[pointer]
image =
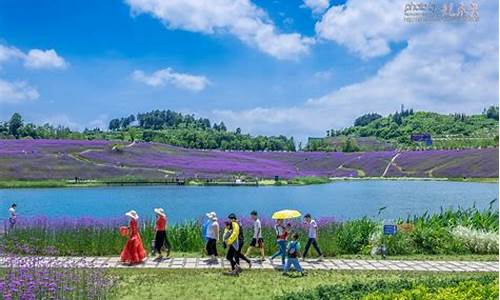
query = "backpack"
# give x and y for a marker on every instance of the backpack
(292, 251)
(241, 238)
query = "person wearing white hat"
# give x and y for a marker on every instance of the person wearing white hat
(133, 252)
(161, 238)
(212, 236)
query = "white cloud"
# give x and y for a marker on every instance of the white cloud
(8, 53)
(323, 75)
(446, 67)
(16, 92)
(365, 27)
(34, 59)
(317, 6)
(60, 119)
(101, 122)
(240, 18)
(181, 80)
(44, 59)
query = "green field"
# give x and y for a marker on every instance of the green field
(268, 284)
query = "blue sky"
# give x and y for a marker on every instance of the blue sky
(292, 67)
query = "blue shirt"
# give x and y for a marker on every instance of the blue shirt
(204, 229)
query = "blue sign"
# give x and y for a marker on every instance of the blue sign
(390, 229)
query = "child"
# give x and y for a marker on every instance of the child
(292, 253)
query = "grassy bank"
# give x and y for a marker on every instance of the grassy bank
(308, 180)
(268, 284)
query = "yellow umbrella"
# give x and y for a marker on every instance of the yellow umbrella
(286, 214)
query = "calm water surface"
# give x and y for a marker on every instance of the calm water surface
(343, 200)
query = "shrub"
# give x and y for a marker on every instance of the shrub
(352, 236)
(477, 241)
(436, 285)
(467, 290)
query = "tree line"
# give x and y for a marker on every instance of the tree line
(167, 127)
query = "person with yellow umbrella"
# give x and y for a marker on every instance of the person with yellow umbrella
(282, 231)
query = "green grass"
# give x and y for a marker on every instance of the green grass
(432, 235)
(251, 284)
(459, 257)
(58, 183)
(481, 180)
(310, 180)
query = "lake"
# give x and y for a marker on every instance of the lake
(344, 200)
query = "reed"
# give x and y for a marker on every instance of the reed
(433, 234)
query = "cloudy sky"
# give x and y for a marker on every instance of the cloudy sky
(293, 67)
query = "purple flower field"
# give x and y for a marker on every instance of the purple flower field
(67, 159)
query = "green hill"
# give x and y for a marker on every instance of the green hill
(162, 126)
(446, 131)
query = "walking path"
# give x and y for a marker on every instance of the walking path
(310, 264)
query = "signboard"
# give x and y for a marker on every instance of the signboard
(406, 227)
(422, 137)
(390, 229)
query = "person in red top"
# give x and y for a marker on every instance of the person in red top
(161, 238)
(133, 252)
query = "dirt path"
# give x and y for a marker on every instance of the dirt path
(78, 156)
(390, 164)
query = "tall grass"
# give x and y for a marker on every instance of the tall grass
(433, 234)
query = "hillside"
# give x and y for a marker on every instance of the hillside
(447, 131)
(104, 160)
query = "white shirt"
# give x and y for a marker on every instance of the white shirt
(257, 229)
(213, 230)
(12, 213)
(312, 229)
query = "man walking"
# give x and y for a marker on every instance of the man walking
(312, 234)
(257, 240)
(241, 241)
(231, 233)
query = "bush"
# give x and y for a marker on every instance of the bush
(431, 287)
(477, 241)
(352, 236)
(467, 290)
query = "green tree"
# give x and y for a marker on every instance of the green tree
(15, 124)
(350, 146)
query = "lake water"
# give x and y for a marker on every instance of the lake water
(344, 200)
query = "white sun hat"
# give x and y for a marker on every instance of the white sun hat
(160, 212)
(133, 214)
(212, 215)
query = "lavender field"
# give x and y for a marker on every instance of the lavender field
(100, 160)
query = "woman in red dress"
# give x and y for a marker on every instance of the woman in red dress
(133, 252)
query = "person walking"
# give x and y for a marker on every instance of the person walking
(312, 236)
(281, 238)
(12, 216)
(292, 253)
(241, 241)
(257, 240)
(161, 239)
(133, 252)
(231, 233)
(212, 236)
